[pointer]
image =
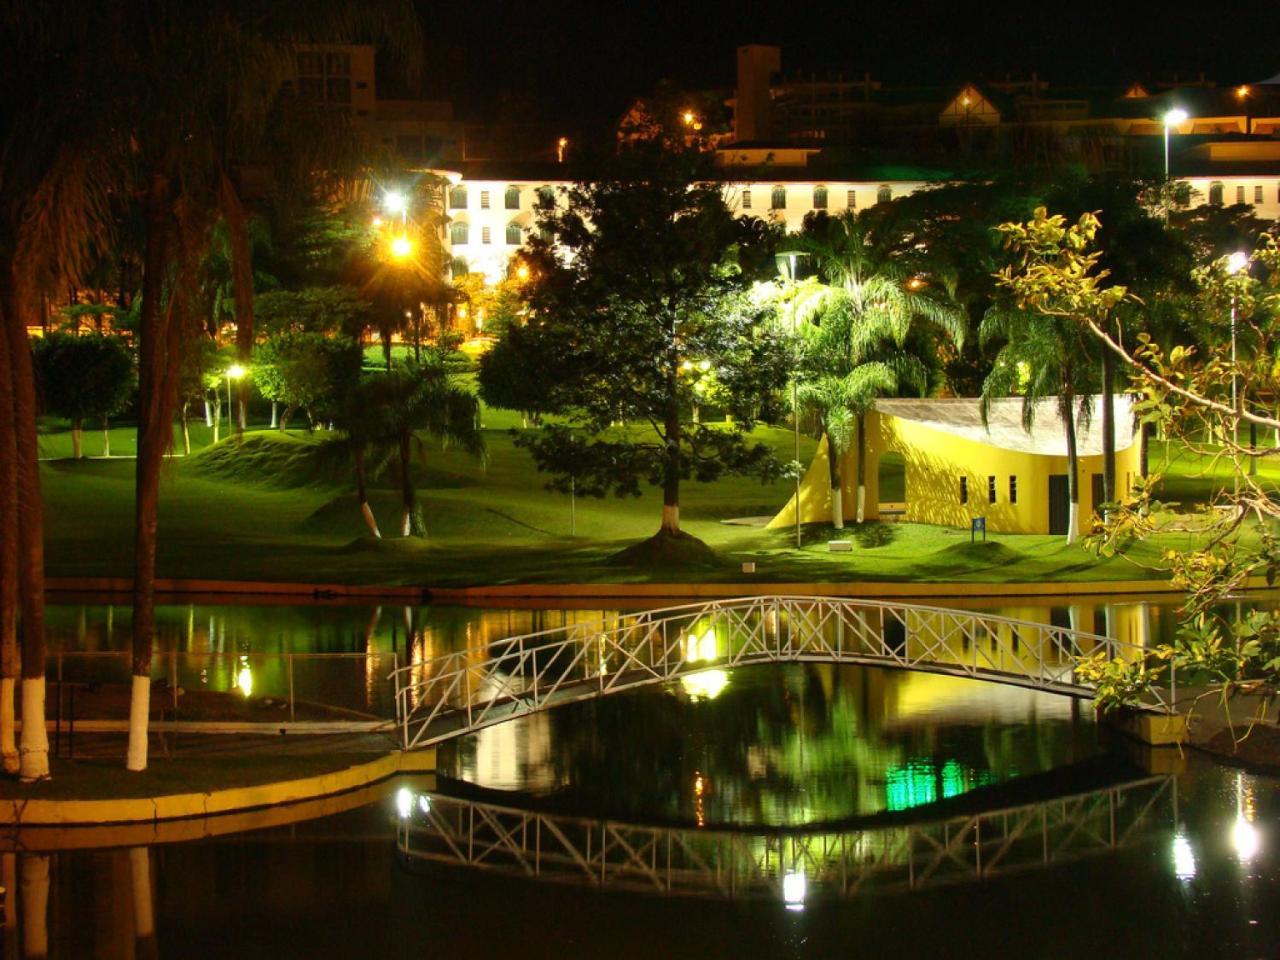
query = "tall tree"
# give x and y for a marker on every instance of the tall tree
(84, 377)
(638, 278)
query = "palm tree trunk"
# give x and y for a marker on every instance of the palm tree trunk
(1073, 467)
(407, 496)
(362, 491)
(158, 353)
(862, 468)
(8, 559)
(837, 487)
(33, 748)
(233, 214)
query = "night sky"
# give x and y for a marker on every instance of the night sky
(582, 61)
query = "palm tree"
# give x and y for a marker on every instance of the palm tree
(397, 407)
(880, 319)
(1043, 356)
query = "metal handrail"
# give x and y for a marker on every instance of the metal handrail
(448, 695)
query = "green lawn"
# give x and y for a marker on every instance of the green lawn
(268, 511)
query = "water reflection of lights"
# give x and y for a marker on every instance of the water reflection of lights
(404, 802)
(424, 804)
(244, 677)
(699, 649)
(1184, 859)
(705, 684)
(1244, 837)
(793, 890)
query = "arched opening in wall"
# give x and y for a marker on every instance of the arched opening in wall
(891, 475)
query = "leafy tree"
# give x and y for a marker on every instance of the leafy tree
(85, 377)
(336, 309)
(639, 274)
(857, 328)
(307, 371)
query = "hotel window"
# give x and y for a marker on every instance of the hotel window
(991, 489)
(546, 198)
(1257, 193)
(851, 199)
(964, 489)
(325, 78)
(819, 198)
(484, 199)
(458, 198)
(1240, 193)
(512, 201)
(1215, 193)
(514, 234)
(485, 236)
(1013, 489)
(884, 194)
(778, 200)
(746, 199)
(457, 233)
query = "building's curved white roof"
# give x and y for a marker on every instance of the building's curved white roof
(962, 417)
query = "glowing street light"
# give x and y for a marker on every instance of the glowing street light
(1173, 118)
(522, 272)
(395, 203)
(401, 247)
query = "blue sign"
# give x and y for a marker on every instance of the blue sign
(978, 525)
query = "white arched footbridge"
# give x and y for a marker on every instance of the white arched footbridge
(458, 693)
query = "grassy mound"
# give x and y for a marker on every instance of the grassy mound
(679, 550)
(985, 552)
(271, 459)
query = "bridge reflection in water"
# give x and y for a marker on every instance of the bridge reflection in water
(461, 692)
(788, 866)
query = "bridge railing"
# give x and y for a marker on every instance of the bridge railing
(687, 861)
(467, 690)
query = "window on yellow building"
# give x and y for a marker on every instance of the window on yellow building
(778, 200)
(1013, 489)
(851, 199)
(1240, 193)
(819, 198)
(964, 489)
(991, 489)
(1257, 193)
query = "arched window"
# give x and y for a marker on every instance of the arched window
(819, 198)
(778, 201)
(1215, 193)
(514, 234)
(884, 194)
(458, 198)
(546, 198)
(458, 233)
(512, 198)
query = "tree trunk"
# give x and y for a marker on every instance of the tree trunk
(1108, 428)
(837, 485)
(144, 918)
(385, 334)
(8, 558)
(106, 437)
(275, 418)
(671, 458)
(77, 439)
(159, 341)
(15, 300)
(34, 886)
(233, 214)
(1073, 468)
(362, 492)
(407, 496)
(186, 429)
(217, 416)
(861, 506)
(208, 413)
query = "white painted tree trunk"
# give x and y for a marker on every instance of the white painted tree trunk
(35, 906)
(837, 508)
(106, 439)
(406, 523)
(139, 711)
(862, 503)
(671, 518)
(208, 413)
(1073, 512)
(33, 746)
(275, 420)
(370, 521)
(8, 729)
(77, 440)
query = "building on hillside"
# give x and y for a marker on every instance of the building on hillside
(935, 461)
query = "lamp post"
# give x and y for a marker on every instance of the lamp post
(1172, 118)
(234, 372)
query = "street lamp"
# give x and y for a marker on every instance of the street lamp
(1173, 118)
(234, 372)
(395, 203)
(401, 248)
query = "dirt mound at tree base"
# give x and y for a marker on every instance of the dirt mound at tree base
(665, 549)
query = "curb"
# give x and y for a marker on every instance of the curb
(36, 812)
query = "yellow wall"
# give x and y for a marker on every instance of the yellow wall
(935, 461)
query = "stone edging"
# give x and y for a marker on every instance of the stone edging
(19, 813)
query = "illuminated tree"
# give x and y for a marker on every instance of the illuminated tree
(84, 377)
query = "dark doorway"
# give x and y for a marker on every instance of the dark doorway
(1059, 512)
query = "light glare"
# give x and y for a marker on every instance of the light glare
(794, 887)
(1176, 117)
(404, 803)
(1244, 837)
(1184, 859)
(1237, 261)
(393, 201)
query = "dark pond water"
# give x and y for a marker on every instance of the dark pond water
(798, 811)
